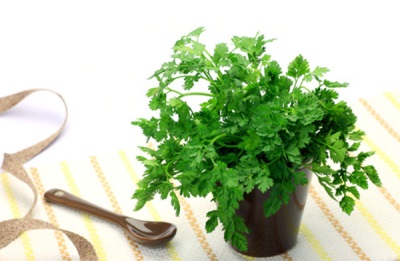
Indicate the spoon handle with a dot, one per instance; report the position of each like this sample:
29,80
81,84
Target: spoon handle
64,198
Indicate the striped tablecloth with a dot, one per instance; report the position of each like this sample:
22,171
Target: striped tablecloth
372,232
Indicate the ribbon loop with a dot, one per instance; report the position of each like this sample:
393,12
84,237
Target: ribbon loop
13,164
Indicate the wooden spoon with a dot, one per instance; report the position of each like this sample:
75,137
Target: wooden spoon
147,233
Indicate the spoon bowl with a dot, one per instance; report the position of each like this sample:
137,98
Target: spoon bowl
143,232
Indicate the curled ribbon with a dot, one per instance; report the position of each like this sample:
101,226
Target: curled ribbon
13,164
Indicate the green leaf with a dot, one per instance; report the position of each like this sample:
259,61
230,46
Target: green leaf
175,102
265,59
347,204
239,241
251,141
300,178
197,32
264,183
354,191
165,189
151,163
293,154
175,203
274,202
362,156
359,178
330,84
356,135
338,151
320,71
220,52
152,91
212,221
198,48
355,146
298,67
372,174
326,184
333,138
322,169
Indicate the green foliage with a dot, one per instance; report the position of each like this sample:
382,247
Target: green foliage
255,131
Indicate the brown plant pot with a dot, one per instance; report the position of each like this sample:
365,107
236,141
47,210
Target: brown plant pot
278,233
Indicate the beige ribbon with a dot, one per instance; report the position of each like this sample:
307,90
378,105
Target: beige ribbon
13,164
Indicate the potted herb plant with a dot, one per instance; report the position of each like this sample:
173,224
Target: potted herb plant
257,134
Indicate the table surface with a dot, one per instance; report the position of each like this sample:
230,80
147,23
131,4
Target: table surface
98,55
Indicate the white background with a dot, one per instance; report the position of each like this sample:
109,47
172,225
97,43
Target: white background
99,54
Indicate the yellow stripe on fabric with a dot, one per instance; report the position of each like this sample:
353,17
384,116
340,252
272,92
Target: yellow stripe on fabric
26,242
380,120
114,203
378,229
94,236
62,247
150,207
315,244
383,156
388,161
392,99
336,224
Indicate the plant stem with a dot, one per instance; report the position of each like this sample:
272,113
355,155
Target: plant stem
172,90
271,162
195,94
303,87
226,145
216,138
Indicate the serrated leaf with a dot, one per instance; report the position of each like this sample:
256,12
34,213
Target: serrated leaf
320,71
164,189
150,163
322,169
362,156
325,182
356,135
221,50
300,178
265,59
197,32
298,67
175,102
264,183
274,202
355,146
354,191
308,77
198,48
251,142
175,203
333,138
152,92
347,204
372,174
239,241
212,221
338,151
330,84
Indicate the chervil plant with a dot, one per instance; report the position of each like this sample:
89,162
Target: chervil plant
256,129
